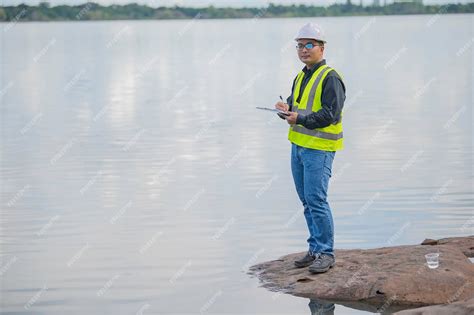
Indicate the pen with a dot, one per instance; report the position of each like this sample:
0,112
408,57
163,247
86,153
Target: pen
282,99
282,116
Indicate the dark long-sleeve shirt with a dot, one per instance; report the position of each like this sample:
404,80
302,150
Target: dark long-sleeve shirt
332,99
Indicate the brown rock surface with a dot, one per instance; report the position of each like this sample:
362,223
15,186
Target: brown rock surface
390,275
465,244
457,308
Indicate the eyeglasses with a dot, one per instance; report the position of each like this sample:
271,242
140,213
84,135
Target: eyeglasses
307,46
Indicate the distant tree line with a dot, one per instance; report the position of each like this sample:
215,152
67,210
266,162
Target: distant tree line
94,11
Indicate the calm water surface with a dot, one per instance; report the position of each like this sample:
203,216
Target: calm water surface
138,177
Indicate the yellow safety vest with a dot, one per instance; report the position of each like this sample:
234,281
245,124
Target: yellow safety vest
328,138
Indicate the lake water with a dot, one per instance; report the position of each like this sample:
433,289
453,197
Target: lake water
137,176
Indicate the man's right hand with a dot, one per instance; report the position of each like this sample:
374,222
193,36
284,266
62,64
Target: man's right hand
282,106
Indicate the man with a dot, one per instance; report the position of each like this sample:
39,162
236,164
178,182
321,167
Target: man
314,111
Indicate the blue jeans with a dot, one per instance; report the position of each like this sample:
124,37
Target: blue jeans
311,172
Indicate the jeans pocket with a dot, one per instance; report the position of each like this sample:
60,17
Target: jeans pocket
328,159
313,159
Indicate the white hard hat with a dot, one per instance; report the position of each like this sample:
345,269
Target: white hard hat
312,31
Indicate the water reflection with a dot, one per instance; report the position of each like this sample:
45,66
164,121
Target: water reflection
319,307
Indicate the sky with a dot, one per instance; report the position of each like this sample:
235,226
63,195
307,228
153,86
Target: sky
217,3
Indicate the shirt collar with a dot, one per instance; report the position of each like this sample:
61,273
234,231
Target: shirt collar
314,67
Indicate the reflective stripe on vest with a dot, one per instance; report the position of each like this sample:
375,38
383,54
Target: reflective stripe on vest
329,138
317,133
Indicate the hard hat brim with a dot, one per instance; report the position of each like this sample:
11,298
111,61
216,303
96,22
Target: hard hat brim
319,40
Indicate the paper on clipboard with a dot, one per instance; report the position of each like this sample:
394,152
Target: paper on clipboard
277,111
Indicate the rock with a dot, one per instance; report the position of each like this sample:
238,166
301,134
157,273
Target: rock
388,276
465,244
457,308
429,241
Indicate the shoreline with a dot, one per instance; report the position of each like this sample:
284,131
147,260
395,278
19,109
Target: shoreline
90,11
231,19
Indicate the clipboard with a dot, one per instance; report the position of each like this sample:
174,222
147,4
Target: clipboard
276,111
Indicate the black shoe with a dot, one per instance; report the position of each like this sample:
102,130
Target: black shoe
322,263
305,261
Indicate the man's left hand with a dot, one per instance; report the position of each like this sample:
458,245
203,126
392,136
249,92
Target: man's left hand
291,118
